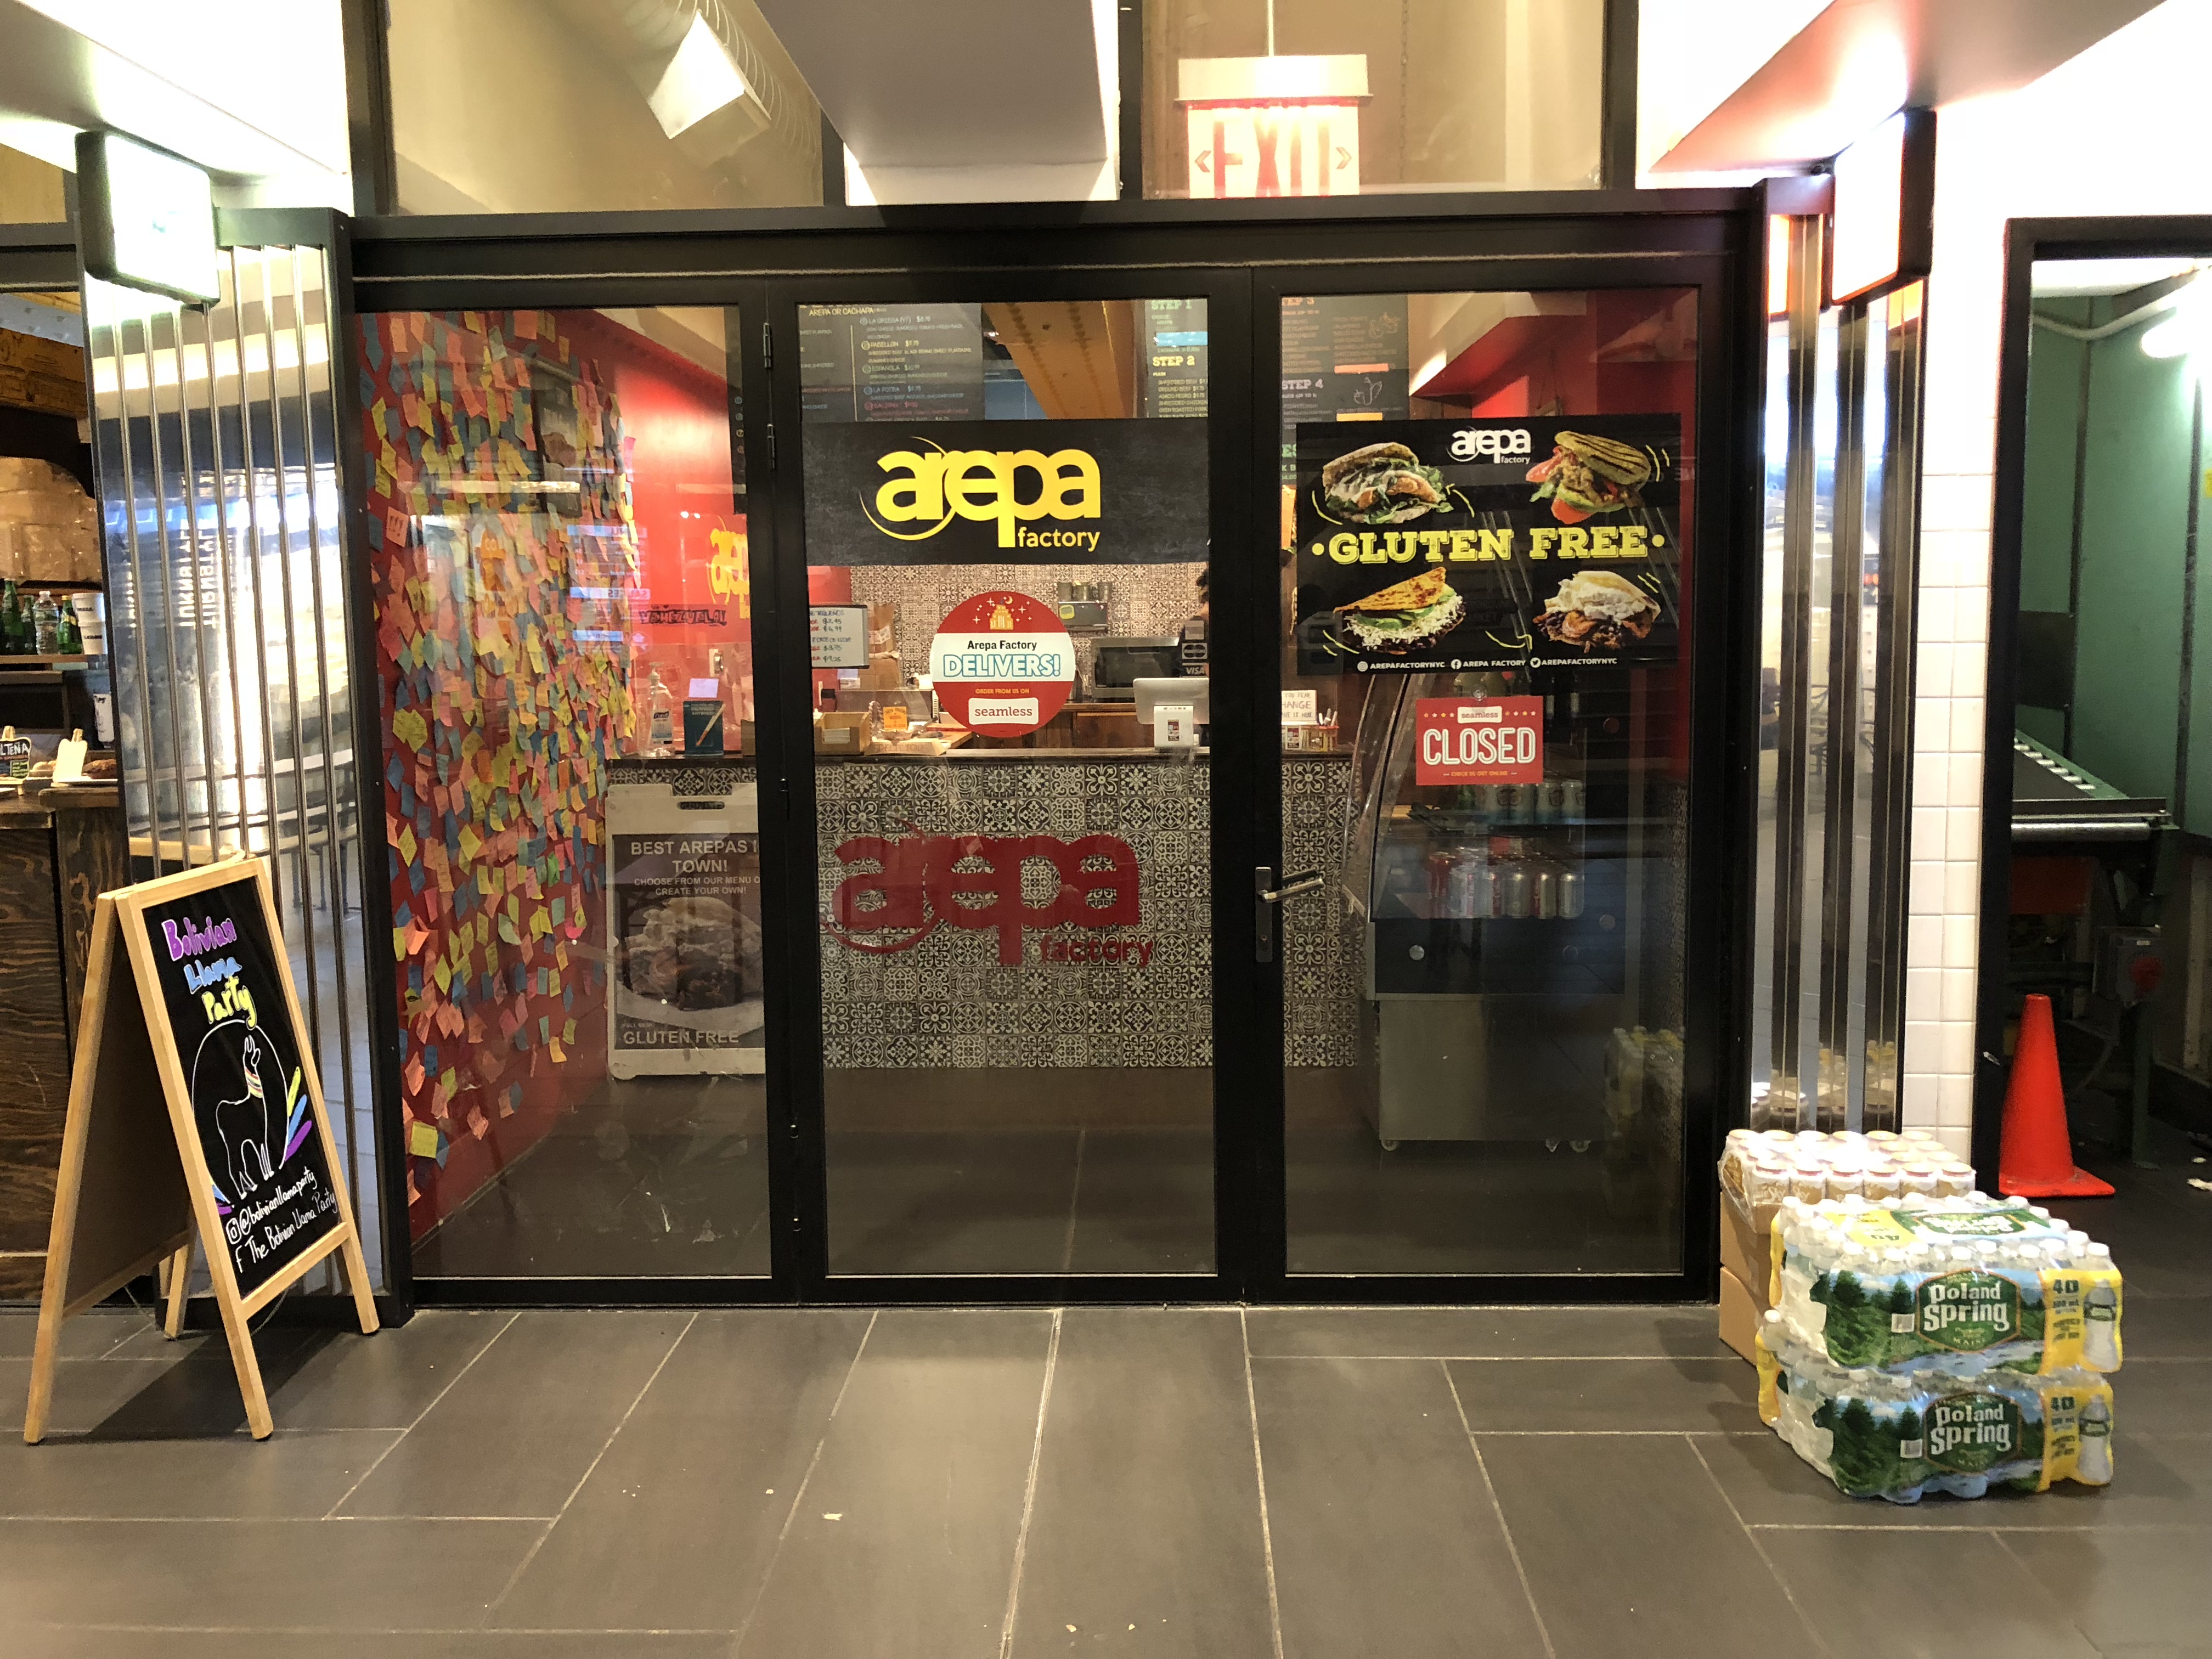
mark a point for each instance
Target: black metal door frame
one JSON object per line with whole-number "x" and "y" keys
{"x": 1242, "y": 257}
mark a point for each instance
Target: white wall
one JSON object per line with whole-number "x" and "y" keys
{"x": 2117, "y": 131}
{"x": 2121, "y": 129}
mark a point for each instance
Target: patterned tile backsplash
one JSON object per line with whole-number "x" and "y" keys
{"x": 950, "y": 999}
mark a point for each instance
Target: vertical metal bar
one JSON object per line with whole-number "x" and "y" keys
{"x": 1786, "y": 1094}
{"x": 1616, "y": 166}
{"x": 306, "y": 896}
{"x": 333, "y": 860}
{"x": 138, "y": 570}
{"x": 2188, "y": 608}
{"x": 254, "y": 567}
{"x": 1846, "y": 565}
{"x": 2073, "y": 533}
{"x": 191, "y": 505}
{"x": 226, "y": 579}
{"x": 1890, "y": 815}
{"x": 168, "y": 597}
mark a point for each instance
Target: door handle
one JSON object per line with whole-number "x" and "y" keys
{"x": 1265, "y": 895}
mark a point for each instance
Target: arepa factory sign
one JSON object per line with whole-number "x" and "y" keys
{"x": 1007, "y": 492}
{"x": 1427, "y": 546}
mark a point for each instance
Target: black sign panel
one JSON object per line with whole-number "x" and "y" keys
{"x": 1445, "y": 545}
{"x": 241, "y": 1063}
{"x": 867, "y": 363}
{"x": 1007, "y": 492}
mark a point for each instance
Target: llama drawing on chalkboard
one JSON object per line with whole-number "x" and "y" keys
{"x": 253, "y": 1112}
{"x": 243, "y": 1125}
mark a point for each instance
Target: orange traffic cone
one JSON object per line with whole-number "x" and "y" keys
{"x": 2037, "y": 1157}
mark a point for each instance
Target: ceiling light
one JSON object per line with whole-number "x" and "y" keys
{"x": 700, "y": 79}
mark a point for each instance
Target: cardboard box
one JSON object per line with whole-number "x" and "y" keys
{"x": 884, "y": 673}
{"x": 1748, "y": 1244}
{"x": 1740, "y": 1316}
{"x": 840, "y": 734}
{"x": 22, "y": 472}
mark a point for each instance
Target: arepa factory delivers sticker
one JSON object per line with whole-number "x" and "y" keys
{"x": 1431, "y": 546}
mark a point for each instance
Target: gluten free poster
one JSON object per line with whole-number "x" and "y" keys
{"x": 1445, "y": 545}
{"x": 241, "y": 1065}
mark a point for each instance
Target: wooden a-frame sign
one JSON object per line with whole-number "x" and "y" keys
{"x": 195, "y": 1111}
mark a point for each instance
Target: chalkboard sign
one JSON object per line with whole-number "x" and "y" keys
{"x": 205, "y": 1029}
{"x": 243, "y": 1067}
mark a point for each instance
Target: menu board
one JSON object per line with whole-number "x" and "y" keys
{"x": 1343, "y": 358}
{"x": 231, "y": 1023}
{"x": 872, "y": 362}
{"x": 1175, "y": 359}
{"x": 1529, "y": 544}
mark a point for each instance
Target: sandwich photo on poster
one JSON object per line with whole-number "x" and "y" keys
{"x": 1456, "y": 544}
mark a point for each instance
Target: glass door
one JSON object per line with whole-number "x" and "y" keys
{"x": 1489, "y": 755}
{"x": 1005, "y": 773}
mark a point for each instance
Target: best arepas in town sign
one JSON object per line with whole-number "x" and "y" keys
{"x": 1007, "y": 492}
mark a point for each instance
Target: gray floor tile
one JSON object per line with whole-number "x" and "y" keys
{"x": 2156, "y": 1483}
{"x": 1147, "y": 1509}
{"x": 904, "y": 1540}
{"x": 221, "y": 1476}
{"x": 2132, "y": 1592}
{"x": 332, "y": 1575}
{"x": 88, "y": 1336}
{"x": 2164, "y": 1397}
{"x": 1557, "y": 1395}
{"x": 1144, "y": 1202}
{"x": 984, "y": 1202}
{"x": 2168, "y": 1327}
{"x": 1940, "y": 1596}
{"x": 533, "y": 1412}
{"x": 1387, "y": 1545}
{"x": 86, "y": 1391}
{"x": 1629, "y": 1549}
{"x": 349, "y": 1381}
{"x": 678, "y": 1522}
{"x": 1476, "y": 1332}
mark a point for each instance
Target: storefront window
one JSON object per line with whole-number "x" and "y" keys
{"x": 1318, "y": 98}
{"x": 562, "y": 591}
{"x": 1005, "y": 535}
{"x": 584, "y": 106}
{"x": 1486, "y": 569}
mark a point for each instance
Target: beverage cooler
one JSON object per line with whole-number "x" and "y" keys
{"x": 1501, "y": 922}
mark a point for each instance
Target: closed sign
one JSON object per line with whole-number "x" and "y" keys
{"x": 1478, "y": 740}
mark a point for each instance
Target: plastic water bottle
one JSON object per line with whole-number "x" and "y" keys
{"x": 2094, "y": 1462}
{"x": 2100, "y": 1316}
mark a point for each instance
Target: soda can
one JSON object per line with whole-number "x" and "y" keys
{"x": 1553, "y": 809}
{"x": 1545, "y": 901}
{"x": 1513, "y": 803}
{"x": 1570, "y": 894}
{"x": 1514, "y": 898}
{"x": 1439, "y": 866}
{"x": 1573, "y": 798}
{"x": 1468, "y": 898}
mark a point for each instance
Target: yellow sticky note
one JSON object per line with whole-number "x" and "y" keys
{"x": 410, "y": 728}
{"x": 406, "y": 846}
{"x": 423, "y": 1140}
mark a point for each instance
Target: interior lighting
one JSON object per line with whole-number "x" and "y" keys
{"x": 2186, "y": 329}
{"x": 700, "y": 79}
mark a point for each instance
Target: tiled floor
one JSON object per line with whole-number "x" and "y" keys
{"x": 1315, "y": 1484}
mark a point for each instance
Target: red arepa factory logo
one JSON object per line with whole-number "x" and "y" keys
{"x": 1002, "y": 664}
{"x": 923, "y": 882}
